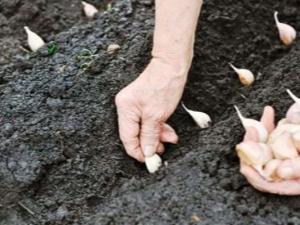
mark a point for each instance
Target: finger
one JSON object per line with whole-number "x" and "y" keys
{"x": 168, "y": 134}
{"x": 160, "y": 148}
{"x": 129, "y": 133}
{"x": 149, "y": 136}
{"x": 289, "y": 168}
{"x": 268, "y": 117}
{"x": 286, "y": 187}
{"x": 251, "y": 134}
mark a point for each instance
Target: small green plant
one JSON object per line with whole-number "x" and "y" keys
{"x": 52, "y": 48}
{"x": 89, "y": 59}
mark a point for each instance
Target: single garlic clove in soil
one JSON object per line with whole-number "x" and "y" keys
{"x": 89, "y": 10}
{"x": 296, "y": 140}
{"x": 286, "y": 32}
{"x": 202, "y": 119}
{"x": 34, "y": 40}
{"x": 153, "y": 163}
{"x": 279, "y": 130}
{"x": 246, "y": 76}
{"x": 254, "y": 154}
{"x": 293, "y": 113}
{"x": 261, "y": 129}
{"x": 283, "y": 147}
{"x": 270, "y": 170}
{"x": 112, "y": 48}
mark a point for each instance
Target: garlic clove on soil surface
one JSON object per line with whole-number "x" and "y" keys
{"x": 261, "y": 129}
{"x": 112, "y": 48}
{"x": 286, "y": 32}
{"x": 153, "y": 163}
{"x": 89, "y": 10}
{"x": 246, "y": 76}
{"x": 283, "y": 147}
{"x": 254, "y": 154}
{"x": 34, "y": 40}
{"x": 202, "y": 119}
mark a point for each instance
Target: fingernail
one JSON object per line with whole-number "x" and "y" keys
{"x": 149, "y": 151}
{"x": 286, "y": 173}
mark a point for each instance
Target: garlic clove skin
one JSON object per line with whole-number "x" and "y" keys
{"x": 261, "y": 129}
{"x": 253, "y": 153}
{"x": 270, "y": 170}
{"x": 34, "y": 40}
{"x": 283, "y": 147}
{"x": 112, "y": 48}
{"x": 286, "y": 32}
{"x": 202, "y": 119}
{"x": 246, "y": 76}
{"x": 153, "y": 163}
{"x": 89, "y": 10}
{"x": 279, "y": 130}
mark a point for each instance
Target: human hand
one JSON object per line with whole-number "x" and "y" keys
{"x": 288, "y": 170}
{"x": 144, "y": 106}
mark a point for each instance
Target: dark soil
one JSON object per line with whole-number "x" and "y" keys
{"x": 60, "y": 153}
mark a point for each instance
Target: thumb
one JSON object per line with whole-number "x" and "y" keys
{"x": 149, "y": 136}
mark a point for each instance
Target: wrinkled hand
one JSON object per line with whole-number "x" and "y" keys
{"x": 145, "y": 105}
{"x": 289, "y": 168}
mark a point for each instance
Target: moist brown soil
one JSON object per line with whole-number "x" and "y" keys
{"x": 61, "y": 161}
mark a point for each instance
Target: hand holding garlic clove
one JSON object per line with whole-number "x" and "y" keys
{"x": 273, "y": 166}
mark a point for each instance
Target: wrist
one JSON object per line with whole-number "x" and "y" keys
{"x": 179, "y": 63}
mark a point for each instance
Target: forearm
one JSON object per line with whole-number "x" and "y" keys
{"x": 174, "y": 34}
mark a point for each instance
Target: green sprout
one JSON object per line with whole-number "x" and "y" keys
{"x": 52, "y": 49}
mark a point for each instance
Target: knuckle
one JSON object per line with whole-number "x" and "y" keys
{"x": 121, "y": 98}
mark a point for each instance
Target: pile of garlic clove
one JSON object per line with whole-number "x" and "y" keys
{"x": 282, "y": 143}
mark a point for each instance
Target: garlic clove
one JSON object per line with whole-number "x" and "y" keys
{"x": 246, "y": 76}
{"x": 293, "y": 114}
{"x": 296, "y": 140}
{"x": 286, "y": 32}
{"x": 282, "y": 122}
{"x": 283, "y": 147}
{"x": 89, "y": 10}
{"x": 254, "y": 153}
{"x": 112, "y": 48}
{"x": 153, "y": 163}
{"x": 291, "y": 128}
{"x": 202, "y": 119}
{"x": 294, "y": 97}
{"x": 34, "y": 40}
{"x": 270, "y": 170}
{"x": 261, "y": 129}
